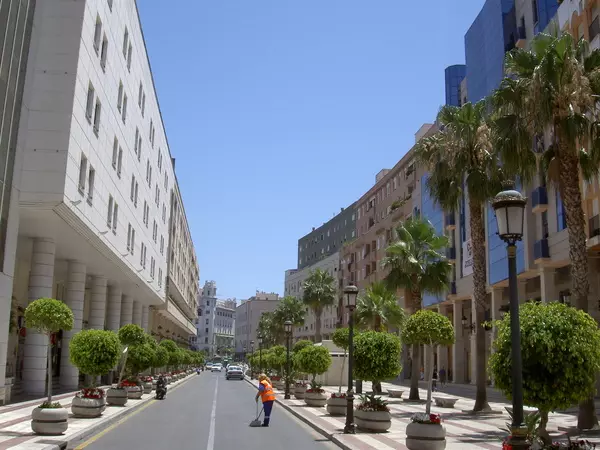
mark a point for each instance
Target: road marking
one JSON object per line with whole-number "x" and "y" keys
{"x": 213, "y": 417}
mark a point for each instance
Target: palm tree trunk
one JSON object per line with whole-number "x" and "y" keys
{"x": 573, "y": 209}
{"x": 415, "y": 372}
{"x": 479, "y": 295}
{"x": 317, "y": 326}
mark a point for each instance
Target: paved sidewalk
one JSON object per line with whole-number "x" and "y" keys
{"x": 15, "y": 422}
{"x": 463, "y": 431}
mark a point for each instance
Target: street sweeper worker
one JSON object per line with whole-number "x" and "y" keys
{"x": 265, "y": 392}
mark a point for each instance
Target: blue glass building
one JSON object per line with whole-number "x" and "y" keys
{"x": 454, "y": 76}
{"x": 543, "y": 12}
{"x": 434, "y": 214}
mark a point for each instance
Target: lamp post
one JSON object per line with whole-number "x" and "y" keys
{"x": 288, "y": 334}
{"x": 260, "y": 341}
{"x": 509, "y": 206}
{"x": 350, "y": 292}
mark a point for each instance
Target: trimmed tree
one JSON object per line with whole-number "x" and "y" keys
{"x": 426, "y": 327}
{"x": 314, "y": 360}
{"x": 301, "y": 344}
{"x": 94, "y": 352}
{"x": 132, "y": 335}
{"x": 48, "y": 316}
{"x": 172, "y": 350}
{"x": 341, "y": 339}
{"x": 161, "y": 357}
{"x": 560, "y": 348}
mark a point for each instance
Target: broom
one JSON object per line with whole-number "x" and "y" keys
{"x": 256, "y": 422}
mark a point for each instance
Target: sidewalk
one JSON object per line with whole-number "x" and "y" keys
{"x": 463, "y": 431}
{"x": 15, "y": 422}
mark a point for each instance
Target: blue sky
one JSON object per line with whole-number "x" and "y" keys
{"x": 279, "y": 112}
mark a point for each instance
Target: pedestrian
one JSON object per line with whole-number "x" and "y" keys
{"x": 434, "y": 379}
{"x": 443, "y": 376}
{"x": 265, "y": 392}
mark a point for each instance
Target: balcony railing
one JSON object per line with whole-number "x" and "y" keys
{"x": 594, "y": 226}
{"x": 541, "y": 249}
{"x": 451, "y": 253}
{"x": 450, "y": 220}
{"x": 539, "y": 201}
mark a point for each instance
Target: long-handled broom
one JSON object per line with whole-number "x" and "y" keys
{"x": 257, "y": 422}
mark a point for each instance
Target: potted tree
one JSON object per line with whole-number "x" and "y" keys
{"x": 337, "y": 403}
{"x": 161, "y": 359}
{"x": 48, "y": 316}
{"x": 277, "y": 360}
{"x": 376, "y": 358}
{"x": 94, "y": 353}
{"x": 314, "y": 360}
{"x": 129, "y": 336}
{"x": 174, "y": 356}
{"x": 560, "y": 348}
{"x": 429, "y": 328}
{"x": 300, "y": 386}
{"x": 140, "y": 358}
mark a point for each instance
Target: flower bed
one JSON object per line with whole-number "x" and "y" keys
{"x": 94, "y": 392}
{"x": 434, "y": 419}
{"x": 338, "y": 395}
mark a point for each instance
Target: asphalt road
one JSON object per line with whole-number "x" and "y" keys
{"x": 193, "y": 417}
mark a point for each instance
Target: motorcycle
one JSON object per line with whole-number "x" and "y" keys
{"x": 161, "y": 388}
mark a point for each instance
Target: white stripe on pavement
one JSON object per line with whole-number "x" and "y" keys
{"x": 213, "y": 417}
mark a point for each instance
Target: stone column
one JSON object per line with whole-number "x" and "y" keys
{"x": 98, "y": 303}
{"x": 145, "y": 314}
{"x": 547, "y": 285}
{"x": 74, "y": 298}
{"x": 137, "y": 313}
{"x": 126, "y": 310}
{"x": 41, "y": 280}
{"x": 458, "y": 349}
{"x": 113, "y": 312}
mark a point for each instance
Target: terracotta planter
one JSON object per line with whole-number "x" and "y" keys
{"x": 88, "y": 407}
{"x": 116, "y": 397}
{"x": 315, "y": 399}
{"x": 134, "y": 392}
{"x": 377, "y": 421}
{"x": 299, "y": 392}
{"x": 147, "y": 386}
{"x": 49, "y": 421}
{"x": 425, "y": 436}
{"x": 337, "y": 406}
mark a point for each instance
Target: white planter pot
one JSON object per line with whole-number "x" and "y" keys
{"x": 154, "y": 381}
{"x": 49, "y": 421}
{"x": 377, "y": 421}
{"x": 147, "y": 386}
{"x": 116, "y": 397}
{"x": 134, "y": 392}
{"x": 299, "y": 392}
{"x": 315, "y": 399}
{"x": 169, "y": 380}
{"x": 425, "y": 436}
{"x": 279, "y": 385}
{"x": 337, "y": 406}
{"x": 88, "y": 407}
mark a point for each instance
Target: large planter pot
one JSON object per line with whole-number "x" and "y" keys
{"x": 88, "y": 407}
{"x": 116, "y": 397}
{"x": 134, "y": 392}
{"x": 425, "y": 436}
{"x": 147, "y": 386}
{"x": 154, "y": 382}
{"x": 49, "y": 421}
{"x": 279, "y": 385}
{"x": 377, "y": 421}
{"x": 315, "y": 399}
{"x": 299, "y": 392}
{"x": 337, "y": 406}
{"x": 169, "y": 380}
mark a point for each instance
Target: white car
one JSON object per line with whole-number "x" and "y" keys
{"x": 216, "y": 368}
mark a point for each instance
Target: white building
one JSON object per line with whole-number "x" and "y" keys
{"x": 205, "y": 317}
{"x": 294, "y": 280}
{"x": 94, "y": 180}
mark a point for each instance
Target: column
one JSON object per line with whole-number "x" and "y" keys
{"x": 458, "y": 349}
{"x": 98, "y": 303}
{"x": 74, "y": 299}
{"x": 442, "y": 350}
{"x": 35, "y": 352}
{"x": 522, "y": 289}
{"x": 145, "y": 313}
{"x": 113, "y": 310}
{"x": 137, "y": 313}
{"x": 126, "y": 310}
{"x": 547, "y": 285}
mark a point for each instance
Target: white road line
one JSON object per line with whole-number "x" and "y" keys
{"x": 213, "y": 417}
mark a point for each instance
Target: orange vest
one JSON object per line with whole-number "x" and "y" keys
{"x": 267, "y": 395}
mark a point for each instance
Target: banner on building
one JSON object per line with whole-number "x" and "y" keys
{"x": 467, "y": 258}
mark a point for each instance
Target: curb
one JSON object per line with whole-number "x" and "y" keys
{"x": 332, "y": 437}
{"x": 76, "y": 439}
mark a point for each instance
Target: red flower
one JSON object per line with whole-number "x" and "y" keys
{"x": 435, "y": 419}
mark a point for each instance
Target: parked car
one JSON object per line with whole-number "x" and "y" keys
{"x": 234, "y": 372}
{"x": 216, "y": 368}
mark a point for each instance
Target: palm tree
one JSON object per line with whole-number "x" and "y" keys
{"x": 416, "y": 263}
{"x": 461, "y": 162}
{"x": 377, "y": 309}
{"x": 289, "y": 308}
{"x": 554, "y": 88}
{"x": 319, "y": 292}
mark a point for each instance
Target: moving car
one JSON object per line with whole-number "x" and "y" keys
{"x": 234, "y": 372}
{"x": 216, "y": 368}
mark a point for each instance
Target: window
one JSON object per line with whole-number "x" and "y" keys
{"x": 119, "y": 162}
{"x": 152, "y": 266}
{"x": 129, "y": 230}
{"x": 153, "y": 132}
{"x": 135, "y": 142}
{"x": 150, "y": 131}
{"x": 110, "y": 3}
{"x": 162, "y": 245}
{"x": 125, "y": 42}
{"x": 139, "y": 147}
{"x": 91, "y": 178}
{"x": 82, "y": 173}
{"x": 160, "y": 277}
{"x": 164, "y": 213}
{"x": 109, "y": 215}
{"x": 157, "y": 195}
{"x": 129, "y": 52}
{"x": 135, "y": 196}
{"x": 148, "y": 170}
{"x": 132, "y": 247}
{"x": 120, "y": 96}
{"x": 97, "y": 34}
{"x": 159, "y": 161}
{"x": 154, "y": 231}
{"x": 104, "y": 53}
{"x": 115, "y": 153}
{"x": 132, "y": 193}
{"x": 141, "y": 91}
{"x": 115, "y": 218}
{"x": 166, "y": 182}
{"x": 97, "y": 112}
{"x": 143, "y": 104}
{"x": 124, "y": 112}
{"x": 146, "y": 213}
{"x": 89, "y": 107}
{"x": 150, "y": 177}
{"x": 143, "y": 255}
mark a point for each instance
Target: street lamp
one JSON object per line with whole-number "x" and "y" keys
{"x": 260, "y": 341}
{"x": 509, "y": 206}
{"x": 287, "y": 326}
{"x": 350, "y": 292}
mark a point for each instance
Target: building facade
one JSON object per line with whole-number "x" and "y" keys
{"x": 454, "y": 76}
{"x": 94, "y": 179}
{"x": 247, "y": 316}
{"x": 215, "y": 322}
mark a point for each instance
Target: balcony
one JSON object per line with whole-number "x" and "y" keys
{"x": 541, "y": 250}
{"x": 594, "y": 226}
{"x": 452, "y": 288}
{"x": 450, "y": 221}
{"x": 539, "y": 201}
{"x": 451, "y": 254}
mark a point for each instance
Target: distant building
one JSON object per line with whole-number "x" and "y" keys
{"x": 247, "y": 316}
